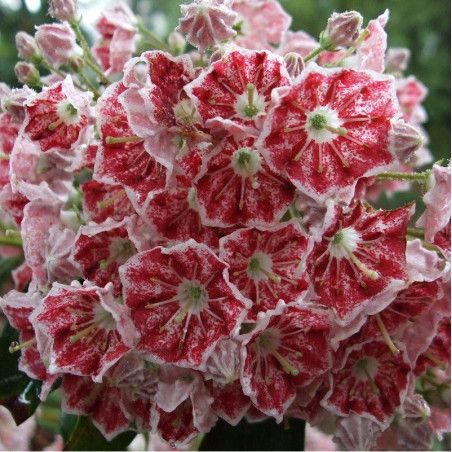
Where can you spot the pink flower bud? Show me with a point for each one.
(63, 9)
(405, 140)
(207, 22)
(57, 43)
(294, 64)
(27, 74)
(176, 42)
(26, 46)
(342, 30)
(397, 59)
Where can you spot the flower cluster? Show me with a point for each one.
(199, 236)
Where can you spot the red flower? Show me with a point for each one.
(124, 400)
(329, 129)
(371, 382)
(181, 302)
(99, 251)
(122, 158)
(58, 117)
(360, 264)
(87, 328)
(288, 348)
(267, 266)
(237, 187)
(235, 92)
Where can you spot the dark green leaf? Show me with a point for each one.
(85, 436)
(18, 393)
(265, 435)
(7, 265)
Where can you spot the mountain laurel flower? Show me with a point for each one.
(63, 9)
(342, 30)
(207, 22)
(27, 73)
(294, 64)
(397, 59)
(57, 43)
(177, 43)
(405, 140)
(26, 46)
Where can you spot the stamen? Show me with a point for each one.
(110, 201)
(118, 140)
(371, 274)
(320, 167)
(374, 387)
(53, 125)
(342, 131)
(300, 153)
(434, 359)
(273, 276)
(86, 331)
(339, 155)
(287, 366)
(16, 346)
(387, 338)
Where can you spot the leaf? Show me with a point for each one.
(265, 435)
(7, 265)
(80, 433)
(18, 393)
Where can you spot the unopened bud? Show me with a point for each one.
(63, 9)
(27, 74)
(404, 139)
(294, 64)
(26, 46)
(342, 30)
(176, 43)
(57, 43)
(397, 59)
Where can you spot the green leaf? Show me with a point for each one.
(18, 393)
(80, 433)
(7, 265)
(265, 435)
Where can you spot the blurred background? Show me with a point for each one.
(423, 27)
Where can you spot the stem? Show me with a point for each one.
(358, 42)
(88, 83)
(59, 72)
(412, 177)
(314, 53)
(11, 241)
(104, 80)
(88, 57)
(415, 232)
(387, 338)
(152, 38)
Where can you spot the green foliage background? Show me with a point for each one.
(422, 26)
